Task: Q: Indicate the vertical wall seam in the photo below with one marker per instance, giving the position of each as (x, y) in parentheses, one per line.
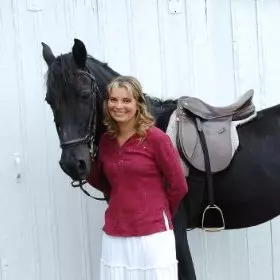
(234, 55)
(130, 28)
(260, 55)
(161, 51)
(189, 46)
(272, 251)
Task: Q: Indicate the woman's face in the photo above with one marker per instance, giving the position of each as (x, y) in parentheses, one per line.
(122, 105)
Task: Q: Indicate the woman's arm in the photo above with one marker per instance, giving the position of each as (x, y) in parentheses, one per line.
(168, 161)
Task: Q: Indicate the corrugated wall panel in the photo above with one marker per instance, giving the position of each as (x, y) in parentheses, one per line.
(215, 50)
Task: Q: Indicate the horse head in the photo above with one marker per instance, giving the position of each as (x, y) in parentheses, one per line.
(74, 98)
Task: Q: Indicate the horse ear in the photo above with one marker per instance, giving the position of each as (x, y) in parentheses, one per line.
(48, 54)
(79, 53)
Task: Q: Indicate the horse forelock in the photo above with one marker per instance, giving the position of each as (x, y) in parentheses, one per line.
(58, 75)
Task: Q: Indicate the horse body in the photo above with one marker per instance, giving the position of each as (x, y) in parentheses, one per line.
(248, 191)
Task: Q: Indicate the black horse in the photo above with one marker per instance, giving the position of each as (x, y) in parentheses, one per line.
(248, 191)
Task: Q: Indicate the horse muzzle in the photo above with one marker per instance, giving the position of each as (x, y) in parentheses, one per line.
(75, 162)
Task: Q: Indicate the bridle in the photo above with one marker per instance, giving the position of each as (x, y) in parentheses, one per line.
(90, 137)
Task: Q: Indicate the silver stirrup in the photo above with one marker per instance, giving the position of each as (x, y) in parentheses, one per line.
(211, 208)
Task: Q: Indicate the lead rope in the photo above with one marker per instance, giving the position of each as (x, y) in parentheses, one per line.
(79, 184)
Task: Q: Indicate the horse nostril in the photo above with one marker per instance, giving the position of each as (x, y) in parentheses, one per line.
(81, 165)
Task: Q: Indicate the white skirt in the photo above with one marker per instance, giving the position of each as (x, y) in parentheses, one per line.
(151, 257)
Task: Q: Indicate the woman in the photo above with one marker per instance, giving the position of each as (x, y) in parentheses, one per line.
(139, 170)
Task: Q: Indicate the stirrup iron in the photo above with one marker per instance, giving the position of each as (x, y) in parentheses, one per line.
(211, 208)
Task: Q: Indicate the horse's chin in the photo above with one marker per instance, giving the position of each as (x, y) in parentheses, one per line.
(73, 175)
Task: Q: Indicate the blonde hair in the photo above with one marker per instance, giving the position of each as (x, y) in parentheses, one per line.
(144, 120)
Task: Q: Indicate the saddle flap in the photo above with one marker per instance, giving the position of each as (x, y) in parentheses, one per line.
(218, 139)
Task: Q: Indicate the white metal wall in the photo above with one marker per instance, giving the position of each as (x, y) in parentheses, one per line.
(213, 49)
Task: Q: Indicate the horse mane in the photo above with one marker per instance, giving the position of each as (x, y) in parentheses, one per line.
(103, 66)
(58, 73)
(102, 72)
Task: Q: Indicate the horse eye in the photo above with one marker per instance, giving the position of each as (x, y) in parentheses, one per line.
(85, 95)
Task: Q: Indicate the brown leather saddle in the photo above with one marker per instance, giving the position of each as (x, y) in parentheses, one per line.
(204, 139)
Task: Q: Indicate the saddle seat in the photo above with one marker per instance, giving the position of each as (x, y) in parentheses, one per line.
(238, 110)
(194, 115)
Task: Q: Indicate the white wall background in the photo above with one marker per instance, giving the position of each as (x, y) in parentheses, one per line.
(213, 49)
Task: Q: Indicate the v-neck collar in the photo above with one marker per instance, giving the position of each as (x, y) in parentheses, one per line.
(126, 141)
